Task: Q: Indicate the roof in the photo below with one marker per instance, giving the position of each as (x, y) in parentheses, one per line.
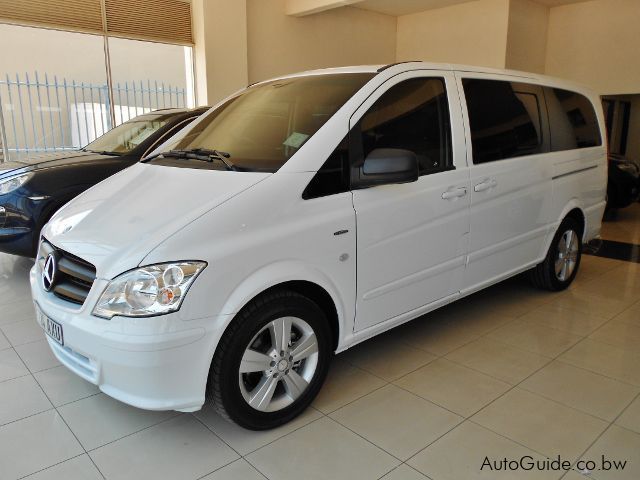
(394, 68)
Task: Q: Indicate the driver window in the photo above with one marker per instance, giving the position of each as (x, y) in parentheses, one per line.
(412, 115)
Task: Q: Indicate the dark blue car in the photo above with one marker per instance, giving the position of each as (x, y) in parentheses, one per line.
(34, 188)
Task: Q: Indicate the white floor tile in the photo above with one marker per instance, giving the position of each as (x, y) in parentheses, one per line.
(620, 445)
(24, 331)
(542, 425)
(35, 443)
(37, 356)
(10, 365)
(322, 450)
(462, 453)
(21, 397)
(100, 419)
(180, 448)
(404, 472)
(77, 468)
(4, 343)
(246, 441)
(397, 421)
(238, 470)
(63, 386)
(630, 418)
(16, 311)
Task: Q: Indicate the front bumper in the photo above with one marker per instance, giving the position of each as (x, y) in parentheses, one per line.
(157, 363)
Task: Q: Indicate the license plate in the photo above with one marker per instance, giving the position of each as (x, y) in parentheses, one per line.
(51, 327)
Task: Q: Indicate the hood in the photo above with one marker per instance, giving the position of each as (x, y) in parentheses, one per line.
(115, 224)
(48, 160)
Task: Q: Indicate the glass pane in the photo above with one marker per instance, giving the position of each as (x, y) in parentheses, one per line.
(52, 89)
(412, 115)
(573, 120)
(148, 76)
(127, 136)
(504, 121)
(263, 127)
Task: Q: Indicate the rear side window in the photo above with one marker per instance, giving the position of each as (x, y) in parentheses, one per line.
(412, 115)
(572, 119)
(504, 118)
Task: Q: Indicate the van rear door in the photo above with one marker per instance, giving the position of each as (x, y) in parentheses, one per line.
(511, 189)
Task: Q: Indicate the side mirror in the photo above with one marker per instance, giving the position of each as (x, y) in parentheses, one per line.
(388, 165)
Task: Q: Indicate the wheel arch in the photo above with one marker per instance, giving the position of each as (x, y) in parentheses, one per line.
(307, 281)
(573, 209)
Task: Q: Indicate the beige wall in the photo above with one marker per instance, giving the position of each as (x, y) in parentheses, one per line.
(280, 44)
(527, 36)
(220, 34)
(471, 33)
(596, 43)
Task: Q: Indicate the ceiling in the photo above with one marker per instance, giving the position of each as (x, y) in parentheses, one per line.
(403, 7)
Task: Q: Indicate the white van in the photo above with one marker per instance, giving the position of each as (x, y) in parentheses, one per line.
(305, 214)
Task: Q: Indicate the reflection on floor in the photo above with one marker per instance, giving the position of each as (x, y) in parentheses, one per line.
(508, 372)
(629, 252)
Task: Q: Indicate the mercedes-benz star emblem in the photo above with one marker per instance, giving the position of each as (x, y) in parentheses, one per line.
(49, 272)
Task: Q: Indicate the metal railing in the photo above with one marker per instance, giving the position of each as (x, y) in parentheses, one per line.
(43, 113)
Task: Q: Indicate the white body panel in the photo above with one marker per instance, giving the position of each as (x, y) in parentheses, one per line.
(412, 242)
(406, 249)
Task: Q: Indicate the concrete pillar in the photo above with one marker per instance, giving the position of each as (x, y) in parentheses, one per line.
(220, 54)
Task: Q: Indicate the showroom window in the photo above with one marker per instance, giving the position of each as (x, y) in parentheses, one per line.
(505, 120)
(412, 115)
(78, 68)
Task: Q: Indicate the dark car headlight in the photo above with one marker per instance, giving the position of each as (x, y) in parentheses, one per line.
(10, 184)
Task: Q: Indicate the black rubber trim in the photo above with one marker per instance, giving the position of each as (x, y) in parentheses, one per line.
(574, 172)
(382, 69)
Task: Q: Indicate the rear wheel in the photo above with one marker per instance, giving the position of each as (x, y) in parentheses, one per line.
(561, 264)
(271, 361)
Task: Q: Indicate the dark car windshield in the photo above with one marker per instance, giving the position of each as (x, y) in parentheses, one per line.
(126, 137)
(266, 124)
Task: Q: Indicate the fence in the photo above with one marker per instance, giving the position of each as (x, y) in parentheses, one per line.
(44, 113)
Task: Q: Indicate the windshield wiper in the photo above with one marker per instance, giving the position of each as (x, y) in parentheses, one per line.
(203, 154)
(101, 152)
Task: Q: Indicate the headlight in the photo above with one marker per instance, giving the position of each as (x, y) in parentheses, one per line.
(148, 291)
(10, 184)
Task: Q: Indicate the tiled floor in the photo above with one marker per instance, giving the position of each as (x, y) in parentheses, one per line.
(506, 373)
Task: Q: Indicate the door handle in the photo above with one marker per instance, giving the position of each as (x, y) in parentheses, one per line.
(451, 194)
(486, 185)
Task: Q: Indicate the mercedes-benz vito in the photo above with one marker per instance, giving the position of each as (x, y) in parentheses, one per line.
(305, 214)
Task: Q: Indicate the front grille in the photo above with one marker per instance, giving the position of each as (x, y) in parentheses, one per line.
(74, 276)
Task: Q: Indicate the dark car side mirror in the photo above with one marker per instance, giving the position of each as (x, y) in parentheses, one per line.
(385, 166)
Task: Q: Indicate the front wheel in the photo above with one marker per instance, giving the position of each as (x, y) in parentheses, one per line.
(271, 361)
(561, 264)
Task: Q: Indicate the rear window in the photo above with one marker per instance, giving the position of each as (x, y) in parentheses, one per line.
(572, 119)
(504, 118)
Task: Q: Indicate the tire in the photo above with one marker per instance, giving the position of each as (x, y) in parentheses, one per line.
(275, 386)
(545, 275)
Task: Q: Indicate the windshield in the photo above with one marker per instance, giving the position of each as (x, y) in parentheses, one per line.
(126, 137)
(265, 125)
